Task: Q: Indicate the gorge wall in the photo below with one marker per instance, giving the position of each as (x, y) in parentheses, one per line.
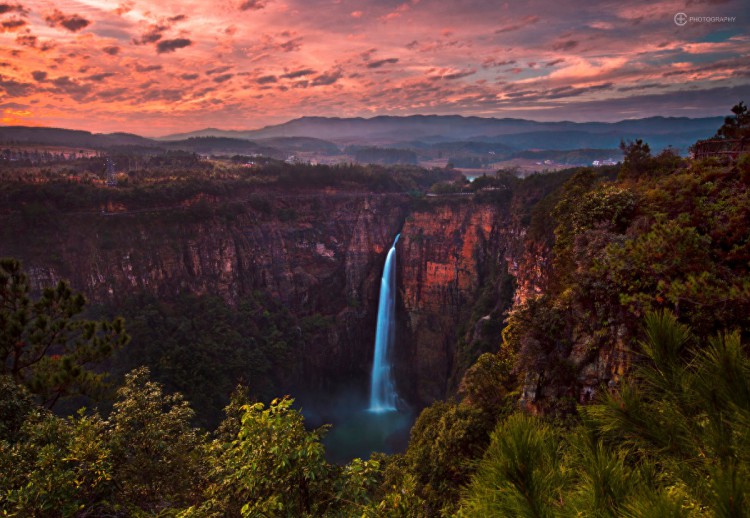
(318, 252)
(448, 252)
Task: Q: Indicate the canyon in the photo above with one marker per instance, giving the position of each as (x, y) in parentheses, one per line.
(320, 252)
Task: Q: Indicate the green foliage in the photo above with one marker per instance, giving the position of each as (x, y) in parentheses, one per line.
(15, 405)
(148, 460)
(454, 187)
(649, 264)
(401, 498)
(489, 382)
(637, 159)
(601, 481)
(59, 467)
(445, 441)
(609, 205)
(158, 456)
(672, 441)
(274, 467)
(689, 408)
(145, 459)
(540, 334)
(677, 239)
(45, 345)
(519, 474)
(203, 347)
(502, 179)
(393, 178)
(580, 184)
(640, 164)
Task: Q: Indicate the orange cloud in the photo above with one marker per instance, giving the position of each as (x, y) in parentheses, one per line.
(151, 67)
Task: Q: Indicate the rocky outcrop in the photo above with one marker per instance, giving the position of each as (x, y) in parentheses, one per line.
(528, 262)
(447, 252)
(592, 360)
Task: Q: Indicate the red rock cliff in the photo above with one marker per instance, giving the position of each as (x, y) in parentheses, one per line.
(446, 252)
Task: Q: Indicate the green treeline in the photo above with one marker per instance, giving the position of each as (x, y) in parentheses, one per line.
(167, 181)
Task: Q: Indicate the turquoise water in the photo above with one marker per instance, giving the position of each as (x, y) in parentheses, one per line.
(355, 431)
(365, 432)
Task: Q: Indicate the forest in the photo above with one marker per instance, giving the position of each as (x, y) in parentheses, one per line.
(649, 263)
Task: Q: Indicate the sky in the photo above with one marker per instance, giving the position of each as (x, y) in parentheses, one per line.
(180, 65)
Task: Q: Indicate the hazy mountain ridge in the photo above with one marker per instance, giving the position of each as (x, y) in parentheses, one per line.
(515, 133)
(328, 136)
(72, 138)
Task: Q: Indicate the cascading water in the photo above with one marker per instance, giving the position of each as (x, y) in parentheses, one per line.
(383, 425)
(382, 390)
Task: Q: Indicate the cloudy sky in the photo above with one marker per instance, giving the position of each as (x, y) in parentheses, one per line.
(181, 65)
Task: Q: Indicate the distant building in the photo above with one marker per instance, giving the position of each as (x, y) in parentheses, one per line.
(599, 163)
(111, 175)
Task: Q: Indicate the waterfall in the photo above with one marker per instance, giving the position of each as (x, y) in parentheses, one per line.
(382, 390)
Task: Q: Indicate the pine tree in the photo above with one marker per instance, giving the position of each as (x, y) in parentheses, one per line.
(737, 126)
(688, 409)
(45, 345)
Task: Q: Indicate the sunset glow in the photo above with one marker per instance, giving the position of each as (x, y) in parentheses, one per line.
(182, 65)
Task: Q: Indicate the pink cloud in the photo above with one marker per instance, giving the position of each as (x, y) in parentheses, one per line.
(280, 59)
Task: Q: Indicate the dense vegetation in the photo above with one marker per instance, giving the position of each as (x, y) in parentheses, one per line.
(653, 264)
(201, 347)
(169, 180)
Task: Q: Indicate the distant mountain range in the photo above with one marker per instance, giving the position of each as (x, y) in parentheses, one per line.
(520, 134)
(278, 147)
(448, 133)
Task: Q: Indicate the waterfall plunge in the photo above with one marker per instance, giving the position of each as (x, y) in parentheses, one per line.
(382, 390)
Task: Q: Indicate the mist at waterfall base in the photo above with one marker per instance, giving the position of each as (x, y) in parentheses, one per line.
(373, 419)
(355, 431)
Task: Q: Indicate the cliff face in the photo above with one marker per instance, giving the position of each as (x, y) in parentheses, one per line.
(317, 252)
(447, 252)
(592, 361)
(320, 253)
(528, 262)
